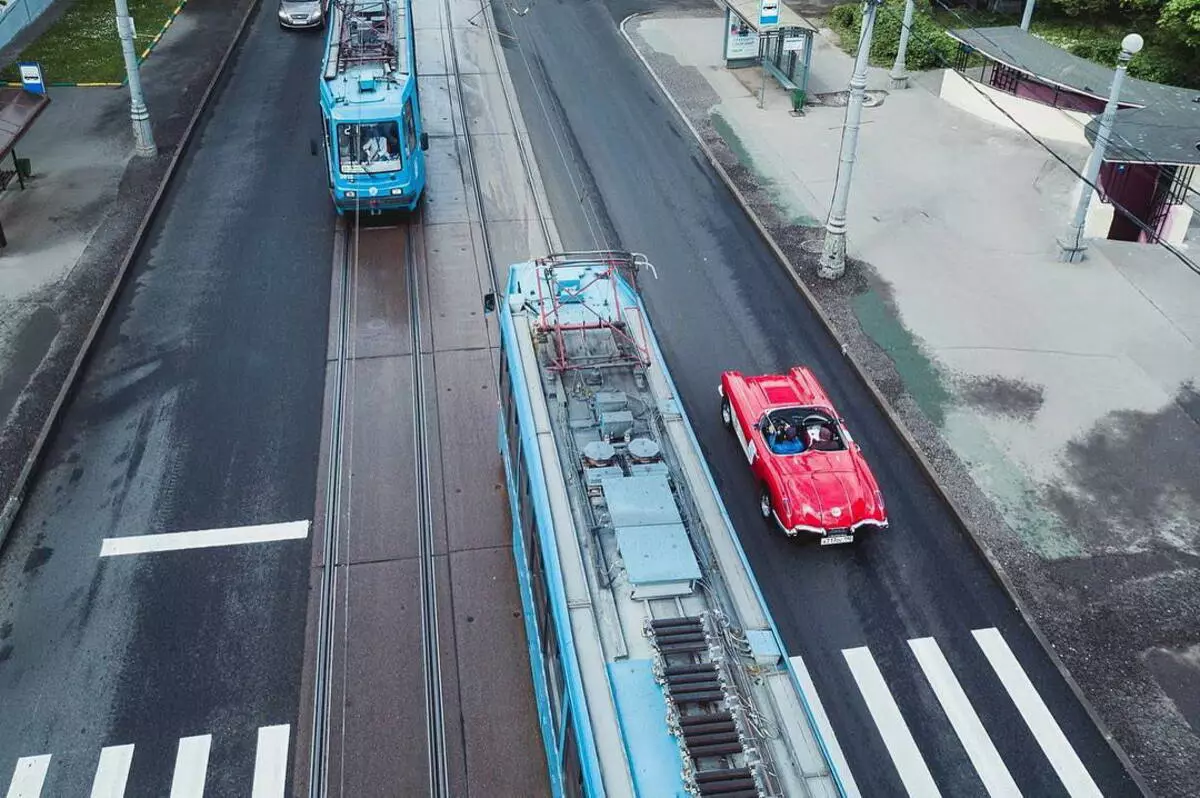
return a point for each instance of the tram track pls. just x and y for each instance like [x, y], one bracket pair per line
[339, 525]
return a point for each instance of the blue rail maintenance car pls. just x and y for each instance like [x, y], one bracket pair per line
[657, 669]
[370, 110]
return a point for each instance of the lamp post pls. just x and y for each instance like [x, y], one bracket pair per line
[1027, 17]
[833, 255]
[899, 69]
[143, 136]
[1071, 245]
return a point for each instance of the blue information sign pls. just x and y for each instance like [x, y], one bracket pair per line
[768, 13]
[31, 77]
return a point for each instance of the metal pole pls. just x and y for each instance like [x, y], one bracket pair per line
[833, 258]
[142, 134]
[1071, 245]
[899, 71]
[1028, 15]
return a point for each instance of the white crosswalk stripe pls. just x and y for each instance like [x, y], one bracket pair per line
[28, 776]
[191, 767]
[983, 754]
[270, 764]
[1046, 731]
[914, 773]
[990, 767]
[112, 772]
[190, 774]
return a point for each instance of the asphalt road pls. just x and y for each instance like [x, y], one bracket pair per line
[200, 409]
[623, 170]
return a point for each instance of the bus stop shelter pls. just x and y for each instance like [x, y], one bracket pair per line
[785, 52]
[18, 110]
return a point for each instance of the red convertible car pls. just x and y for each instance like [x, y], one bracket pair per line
[813, 478]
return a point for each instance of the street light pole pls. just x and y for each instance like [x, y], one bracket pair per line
[899, 70]
[833, 257]
[1071, 246]
[1027, 17]
[143, 136]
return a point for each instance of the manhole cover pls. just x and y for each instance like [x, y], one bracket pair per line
[842, 98]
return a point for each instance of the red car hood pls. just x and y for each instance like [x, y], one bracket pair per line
[826, 490]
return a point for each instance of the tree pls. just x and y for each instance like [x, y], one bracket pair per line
[1181, 18]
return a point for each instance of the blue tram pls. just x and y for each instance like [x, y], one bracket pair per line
[656, 665]
[370, 111]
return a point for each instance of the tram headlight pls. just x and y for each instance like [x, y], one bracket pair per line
[397, 192]
[351, 194]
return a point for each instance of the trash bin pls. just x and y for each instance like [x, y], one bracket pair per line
[24, 168]
[798, 97]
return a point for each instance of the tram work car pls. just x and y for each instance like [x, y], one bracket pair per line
[657, 668]
[370, 111]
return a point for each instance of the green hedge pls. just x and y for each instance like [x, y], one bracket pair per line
[928, 45]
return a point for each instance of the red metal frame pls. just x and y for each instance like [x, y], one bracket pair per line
[366, 34]
[624, 264]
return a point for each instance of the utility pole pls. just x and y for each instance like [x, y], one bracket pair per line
[1071, 246]
[143, 136]
[833, 257]
[899, 71]
[1028, 15]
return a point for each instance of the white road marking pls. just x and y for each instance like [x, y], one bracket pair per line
[984, 756]
[825, 728]
[191, 766]
[28, 776]
[270, 761]
[112, 772]
[204, 538]
[1046, 731]
[914, 773]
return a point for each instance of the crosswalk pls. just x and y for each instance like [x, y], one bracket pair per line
[993, 772]
[191, 768]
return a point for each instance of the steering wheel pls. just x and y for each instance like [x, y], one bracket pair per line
[814, 417]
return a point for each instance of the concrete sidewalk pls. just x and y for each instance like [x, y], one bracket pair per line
[70, 229]
[1060, 404]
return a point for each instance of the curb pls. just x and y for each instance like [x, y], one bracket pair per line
[897, 424]
[15, 500]
[141, 59]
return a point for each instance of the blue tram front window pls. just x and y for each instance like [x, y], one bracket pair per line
[370, 147]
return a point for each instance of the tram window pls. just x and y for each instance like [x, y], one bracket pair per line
[571, 769]
[369, 147]
[410, 130]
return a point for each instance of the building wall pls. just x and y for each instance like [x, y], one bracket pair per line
[17, 15]
[1041, 120]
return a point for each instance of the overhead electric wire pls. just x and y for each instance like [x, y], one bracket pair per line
[1050, 150]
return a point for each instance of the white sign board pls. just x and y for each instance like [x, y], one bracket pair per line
[768, 14]
[793, 44]
[741, 41]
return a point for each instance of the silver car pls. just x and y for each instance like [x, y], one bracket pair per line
[303, 13]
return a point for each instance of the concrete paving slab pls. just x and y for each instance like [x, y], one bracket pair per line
[378, 746]
[473, 470]
[455, 290]
[486, 106]
[380, 316]
[428, 16]
[514, 242]
[380, 487]
[445, 196]
[473, 48]
[433, 52]
[502, 759]
[505, 190]
[439, 105]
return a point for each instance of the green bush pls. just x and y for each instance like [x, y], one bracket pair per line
[928, 45]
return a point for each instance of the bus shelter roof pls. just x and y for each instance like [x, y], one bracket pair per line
[748, 11]
[18, 110]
